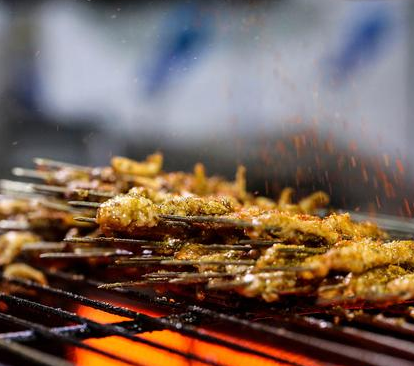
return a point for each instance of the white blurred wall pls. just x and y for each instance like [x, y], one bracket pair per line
[260, 67]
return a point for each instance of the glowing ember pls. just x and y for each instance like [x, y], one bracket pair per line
[150, 356]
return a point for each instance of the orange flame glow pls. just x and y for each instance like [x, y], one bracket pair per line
[151, 356]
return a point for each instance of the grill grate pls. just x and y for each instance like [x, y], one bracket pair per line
[327, 335]
[360, 341]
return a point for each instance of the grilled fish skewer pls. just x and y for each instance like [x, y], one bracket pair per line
[129, 213]
[33, 189]
[359, 256]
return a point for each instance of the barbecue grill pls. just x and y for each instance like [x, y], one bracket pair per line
[78, 318]
[297, 94]
[69, 323]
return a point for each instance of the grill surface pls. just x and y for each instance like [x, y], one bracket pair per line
[368, 338]
[53, 325]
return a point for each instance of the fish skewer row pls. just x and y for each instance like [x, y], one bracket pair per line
[271, 285]
[128, 214]
[328, 231]
[124, 173]
[371, 268]
[366, 259]
[241, 216]
[210, 261]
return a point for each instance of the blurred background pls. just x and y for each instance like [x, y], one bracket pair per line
[313, 94]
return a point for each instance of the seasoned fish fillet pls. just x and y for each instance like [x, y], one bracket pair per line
[298, 228]
[267, 285]
[125, 213]
[149, 168]
[360, 255]
[12, 243]
[10, 207]
[370, 284]
[24, 271]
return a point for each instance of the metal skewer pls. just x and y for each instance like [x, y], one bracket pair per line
[91, 220]
[59, 164]
[31, 173]
[86, 204]
[74, 255]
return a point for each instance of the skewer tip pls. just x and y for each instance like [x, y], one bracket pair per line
[91, 220]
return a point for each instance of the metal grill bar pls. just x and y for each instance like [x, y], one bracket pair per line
[388, 324]
[32, 355]
[162, 323]
[48, 334]
[368, 339]
[103, 328]
[79, 331]
[356, 355]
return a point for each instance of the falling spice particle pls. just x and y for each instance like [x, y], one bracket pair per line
[400, 166]
[407, 207]
[386, 160]
[378, 201]
[365, 175]
[353, 146]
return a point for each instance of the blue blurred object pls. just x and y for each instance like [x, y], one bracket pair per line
[26, 84]
[187, 32]
[368, 38]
